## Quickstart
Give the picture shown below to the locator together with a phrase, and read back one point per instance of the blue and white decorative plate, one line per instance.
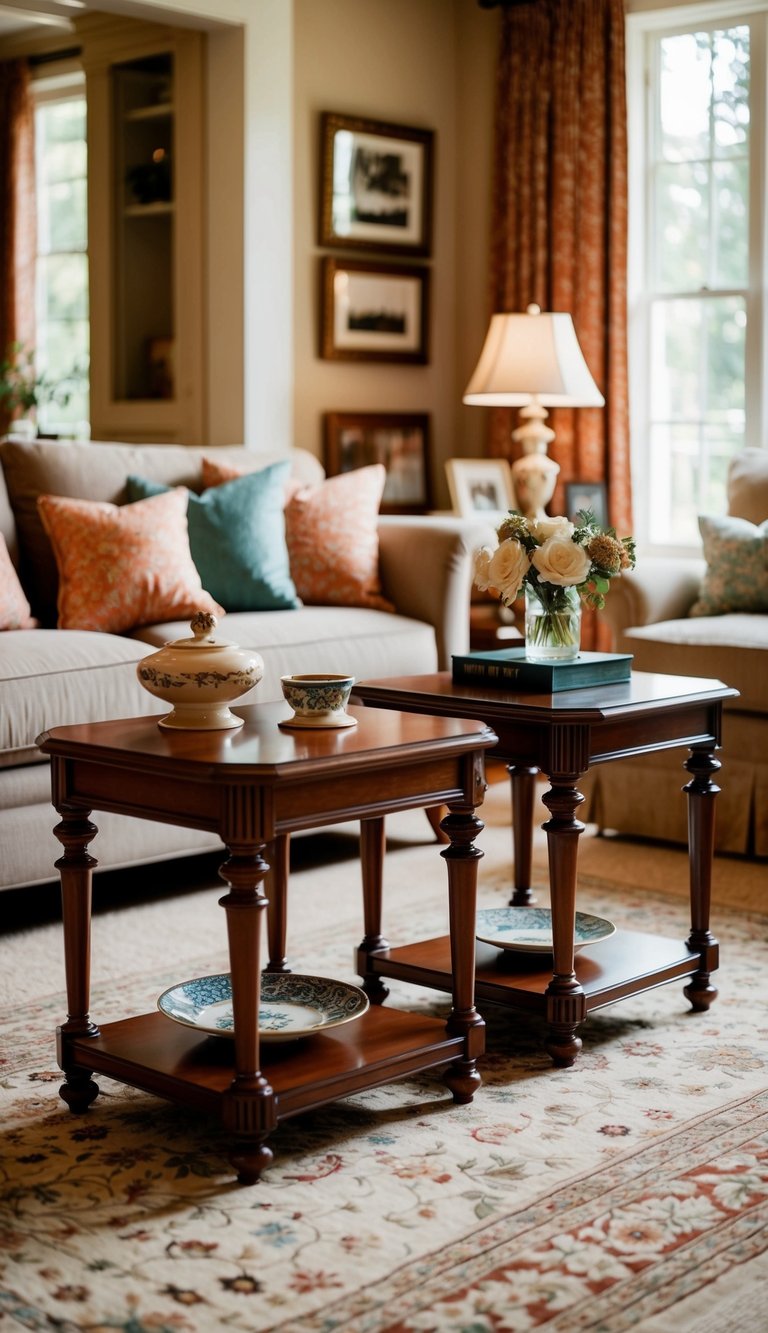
(292, 1006)
(529, 929)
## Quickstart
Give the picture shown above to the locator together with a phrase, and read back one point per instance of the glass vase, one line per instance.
(552, 623)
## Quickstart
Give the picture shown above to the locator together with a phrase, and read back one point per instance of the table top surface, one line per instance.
(643, 692)
(262, 746)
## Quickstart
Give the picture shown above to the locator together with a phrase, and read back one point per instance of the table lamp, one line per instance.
(532, 361)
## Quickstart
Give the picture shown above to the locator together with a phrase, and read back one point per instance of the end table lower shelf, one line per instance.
(155, 1054)
(626, 964)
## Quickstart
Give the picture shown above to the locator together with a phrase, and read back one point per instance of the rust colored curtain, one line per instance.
(559, 233)
(17, 209)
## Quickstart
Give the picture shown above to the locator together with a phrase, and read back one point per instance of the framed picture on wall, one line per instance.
(373, 312)
(480, 486)
(375, 185)
(591, 495)
(399, 440)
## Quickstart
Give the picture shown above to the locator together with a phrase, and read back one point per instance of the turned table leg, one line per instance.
(702, 791)
(277, 910)
(462, 827)
(76, 868)
(372, 849)
(566, 1003)
(523, 795)
(249, 1108)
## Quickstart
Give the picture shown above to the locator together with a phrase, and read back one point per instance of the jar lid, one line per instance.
(203, 625)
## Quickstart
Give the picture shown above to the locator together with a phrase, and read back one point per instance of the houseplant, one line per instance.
(559, 566)
(23, 390)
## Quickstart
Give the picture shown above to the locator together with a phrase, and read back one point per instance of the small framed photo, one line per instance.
(401, 441)
(375, 185)
(374, 312)
(480, 486)
(590, 495)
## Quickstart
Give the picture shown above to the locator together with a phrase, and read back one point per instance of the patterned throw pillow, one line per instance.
(736, 577)
(15, 611)
(237, 538)
(332, 536)
(122, 566)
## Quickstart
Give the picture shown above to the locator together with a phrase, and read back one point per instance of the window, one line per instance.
(61, 276)
(696, 261)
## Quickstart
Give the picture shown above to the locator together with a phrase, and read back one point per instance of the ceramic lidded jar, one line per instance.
(200, 677)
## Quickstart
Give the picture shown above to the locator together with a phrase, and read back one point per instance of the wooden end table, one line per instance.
(562, 735)
(253, 787)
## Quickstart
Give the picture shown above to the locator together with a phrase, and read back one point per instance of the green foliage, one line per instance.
(22, 388)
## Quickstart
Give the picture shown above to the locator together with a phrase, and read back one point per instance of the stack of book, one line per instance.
(511, 669)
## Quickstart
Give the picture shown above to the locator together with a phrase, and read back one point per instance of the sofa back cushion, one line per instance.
(89, 470)
(748, 485)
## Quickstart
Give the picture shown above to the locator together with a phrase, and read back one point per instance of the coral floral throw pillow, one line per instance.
(15, 611)
(121, 566)
(331, 531)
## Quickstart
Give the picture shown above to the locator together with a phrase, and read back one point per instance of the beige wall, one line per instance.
(427, 63)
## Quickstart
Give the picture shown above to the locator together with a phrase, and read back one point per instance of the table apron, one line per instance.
(571, 747)
(258, 810)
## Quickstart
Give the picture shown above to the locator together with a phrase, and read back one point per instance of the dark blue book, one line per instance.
(510, 669)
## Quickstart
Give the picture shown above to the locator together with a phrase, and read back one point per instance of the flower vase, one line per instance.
(552, 623)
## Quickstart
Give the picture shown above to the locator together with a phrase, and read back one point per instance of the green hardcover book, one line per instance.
(510, 669)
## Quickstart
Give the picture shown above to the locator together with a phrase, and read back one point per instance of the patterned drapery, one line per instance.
(559, 232)
(17, 211)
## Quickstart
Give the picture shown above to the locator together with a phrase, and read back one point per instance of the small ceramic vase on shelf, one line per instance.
(200, 677)
(552, 623)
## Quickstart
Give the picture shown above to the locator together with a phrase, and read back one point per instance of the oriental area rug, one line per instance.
(628, 1192)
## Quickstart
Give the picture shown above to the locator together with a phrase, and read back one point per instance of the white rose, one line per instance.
(561, 561)
(482, 564)
(507, 569)
(546, 527)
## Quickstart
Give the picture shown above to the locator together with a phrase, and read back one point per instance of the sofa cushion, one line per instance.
(15, 611)
(237, 538)
(736, 577)
(748, 485)
(730, 648)
(52, 677)
(122, 566)
(88, 470)
(332, 535)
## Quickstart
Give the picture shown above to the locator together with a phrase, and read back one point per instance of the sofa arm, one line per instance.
(658, 589)
(426, 571)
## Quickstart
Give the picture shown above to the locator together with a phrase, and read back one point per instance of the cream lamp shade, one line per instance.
(532, 361)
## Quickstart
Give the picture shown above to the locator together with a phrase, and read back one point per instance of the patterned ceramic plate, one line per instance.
(292, 1006)
(529, 929)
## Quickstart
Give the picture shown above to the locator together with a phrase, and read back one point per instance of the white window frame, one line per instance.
(641, 26)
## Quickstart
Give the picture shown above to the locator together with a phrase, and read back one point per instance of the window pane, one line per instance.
(62, 347)
(682, 226)
(62, 216)
(730, 207)
(684, 96)
(730, 90)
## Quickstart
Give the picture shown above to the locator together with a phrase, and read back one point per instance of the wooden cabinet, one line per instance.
(145, 90)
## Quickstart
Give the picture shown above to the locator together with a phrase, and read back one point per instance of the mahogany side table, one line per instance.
(562, 735)
(254, 787)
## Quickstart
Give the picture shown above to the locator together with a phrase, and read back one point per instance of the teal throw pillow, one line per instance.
(237, 539)
(736, 577)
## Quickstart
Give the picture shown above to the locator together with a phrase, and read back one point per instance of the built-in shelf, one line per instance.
(156, 112)
(147, 210)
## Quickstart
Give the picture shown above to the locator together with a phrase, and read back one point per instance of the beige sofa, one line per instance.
(51, 676)
(649, 611)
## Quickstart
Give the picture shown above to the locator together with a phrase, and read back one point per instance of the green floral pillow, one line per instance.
(736, 579)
